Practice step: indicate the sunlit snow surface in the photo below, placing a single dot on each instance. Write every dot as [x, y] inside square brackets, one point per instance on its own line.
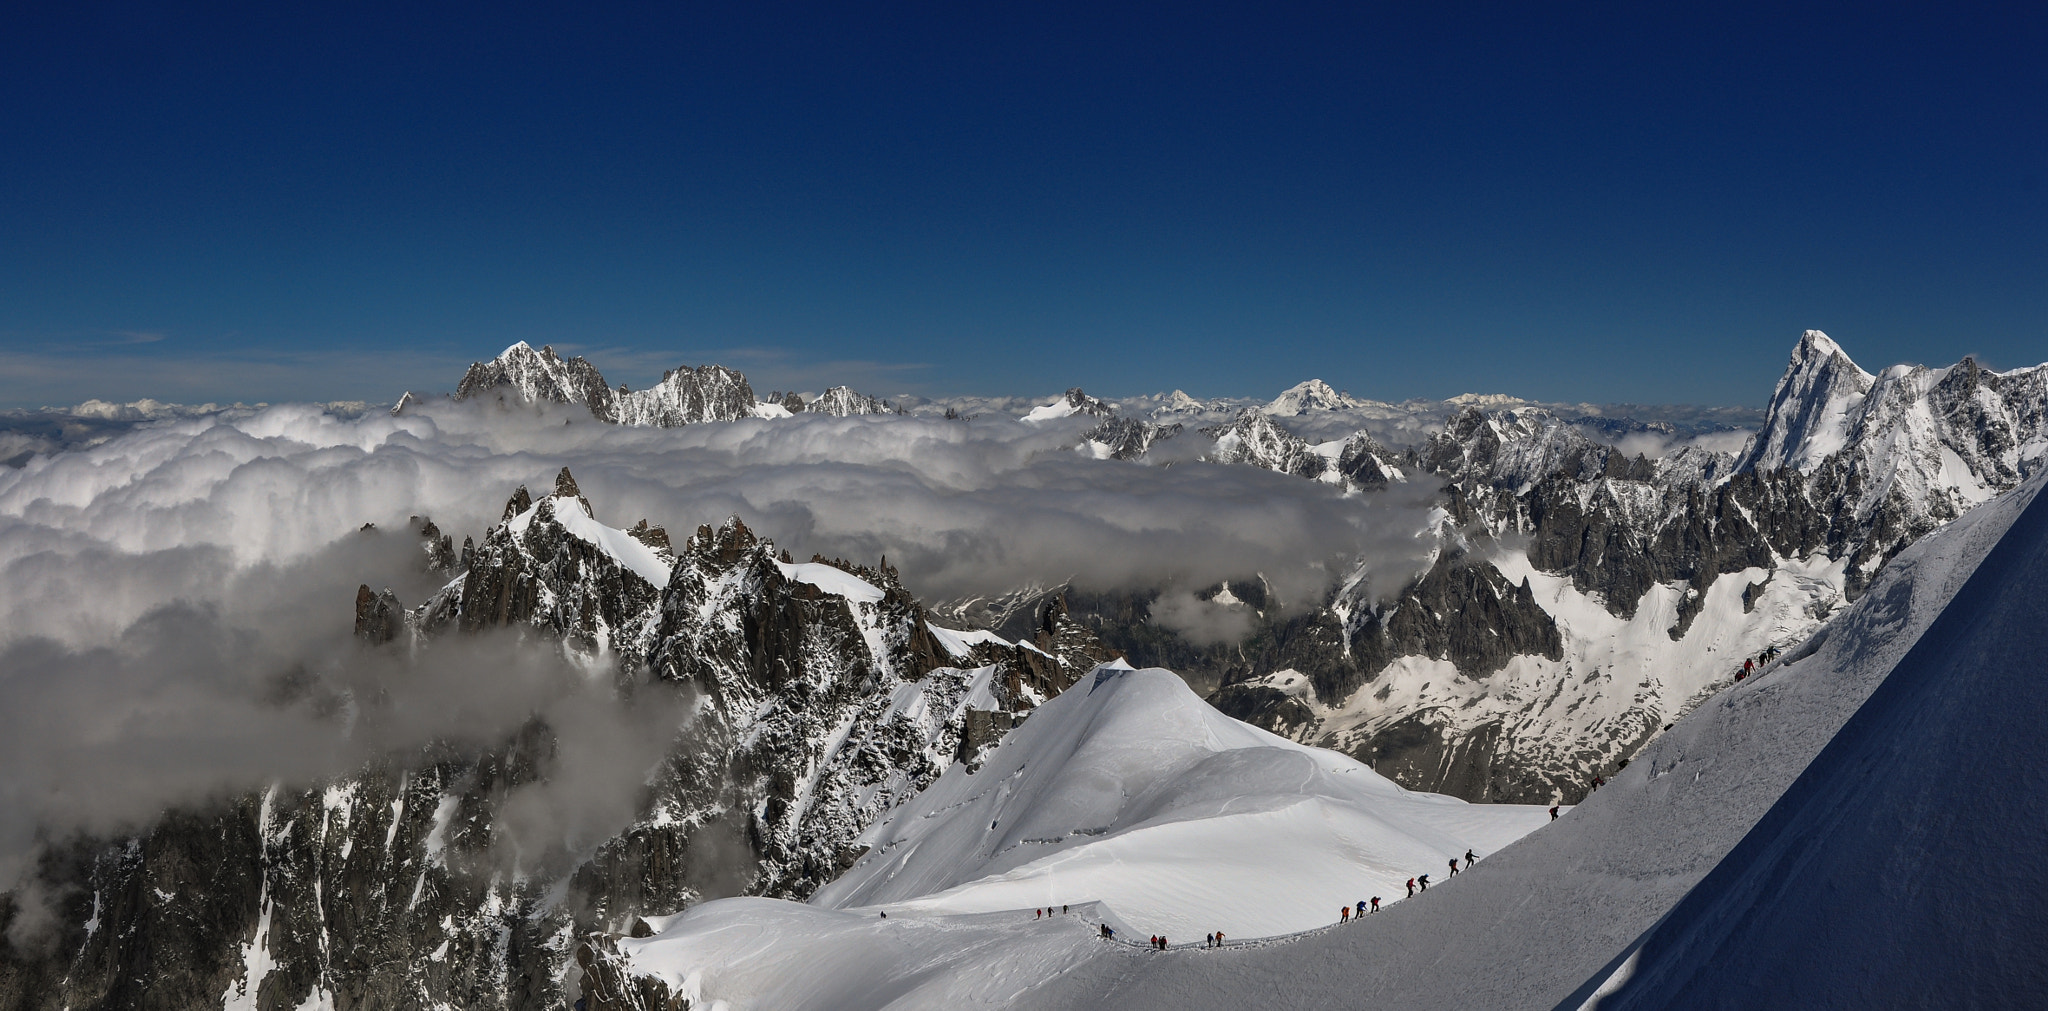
[1128, 791]
[574, 516]
[1521, 929]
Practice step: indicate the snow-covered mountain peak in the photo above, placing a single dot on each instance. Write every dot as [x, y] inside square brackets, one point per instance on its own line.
[686, 396]
[843, 401]
[1113, 788]
[638, 551]
[1810, 413]
[537, 377]
[1311, 397]
[1072, 403]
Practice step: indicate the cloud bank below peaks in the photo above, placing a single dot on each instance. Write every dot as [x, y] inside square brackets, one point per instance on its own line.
[158, 589]
[962, 508]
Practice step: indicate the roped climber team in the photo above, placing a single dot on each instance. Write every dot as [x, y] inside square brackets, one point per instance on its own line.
[1345, 914]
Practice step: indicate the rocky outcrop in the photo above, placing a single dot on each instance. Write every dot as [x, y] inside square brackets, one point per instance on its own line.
[684, 396]
[520, 373]
[818, 694]
[1122, 438]
[687, 396]
[1252, 437]
[843, 402]
[1464, 679]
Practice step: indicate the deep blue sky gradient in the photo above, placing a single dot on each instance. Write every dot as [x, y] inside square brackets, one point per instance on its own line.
[1573, 202]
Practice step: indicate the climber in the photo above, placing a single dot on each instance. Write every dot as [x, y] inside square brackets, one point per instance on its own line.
[1454, 867]
[1424, 878]
[1553, 812]
[1411, 888]
[1375, 903]
[1361, 907]
[1343, 914]
[1468, 859]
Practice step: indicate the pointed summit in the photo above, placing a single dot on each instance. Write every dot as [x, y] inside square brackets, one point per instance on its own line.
[1813, 408]
[1310, 397]
[534, 376]
[1074, 402]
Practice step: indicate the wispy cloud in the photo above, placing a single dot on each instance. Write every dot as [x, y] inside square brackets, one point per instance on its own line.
[153, 586]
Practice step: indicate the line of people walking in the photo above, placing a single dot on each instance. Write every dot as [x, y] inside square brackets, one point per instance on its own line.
[1751, 666]
[1345, 914]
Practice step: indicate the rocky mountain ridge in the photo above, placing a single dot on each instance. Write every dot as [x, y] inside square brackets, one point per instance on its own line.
[1550, 530]
[1576, 603]
[813, 695]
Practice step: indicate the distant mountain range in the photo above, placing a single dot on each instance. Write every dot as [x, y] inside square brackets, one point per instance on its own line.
[1580, 595]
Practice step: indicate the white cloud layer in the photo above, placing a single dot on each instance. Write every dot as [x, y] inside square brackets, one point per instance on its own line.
[154, 589]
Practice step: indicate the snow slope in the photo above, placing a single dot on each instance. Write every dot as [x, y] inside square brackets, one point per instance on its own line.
[1127, 797]
[573, 513]
[1136, 793]
[1525, 927]
[1884, 876]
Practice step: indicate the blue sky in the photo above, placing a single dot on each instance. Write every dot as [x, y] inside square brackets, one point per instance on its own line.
[319, 201]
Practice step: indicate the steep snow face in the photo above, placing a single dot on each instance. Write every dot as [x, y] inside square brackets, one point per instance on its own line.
[832, 579]
[1526, 926]
[1811, 412]
[573, 513]
[537, 377]
[1868, 884]
[1934, 441]
[1129, 790]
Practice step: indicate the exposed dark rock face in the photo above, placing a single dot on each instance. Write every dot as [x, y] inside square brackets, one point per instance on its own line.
[1253, 437]
[684, 396]
[1082, 403]
[1129, 438]
[1850, 468]
[407, 885]
[539, 377]
[378, 616]
[1466, 613]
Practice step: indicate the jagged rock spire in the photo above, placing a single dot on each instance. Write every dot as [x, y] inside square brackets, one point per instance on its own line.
[521, 501]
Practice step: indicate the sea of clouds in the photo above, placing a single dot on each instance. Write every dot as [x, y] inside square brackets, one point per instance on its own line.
[167, 595]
